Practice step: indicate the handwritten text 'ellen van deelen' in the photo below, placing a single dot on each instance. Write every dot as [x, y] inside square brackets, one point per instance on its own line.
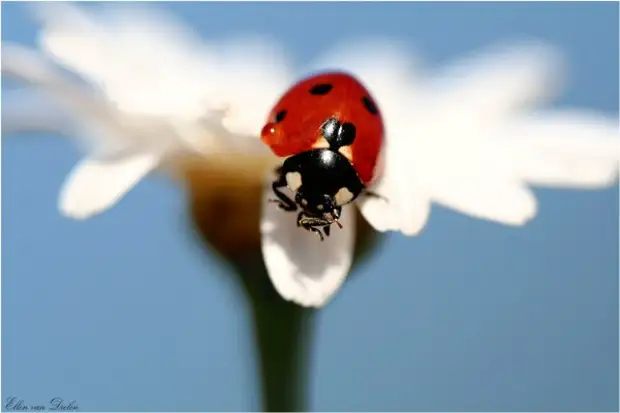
[15, 404]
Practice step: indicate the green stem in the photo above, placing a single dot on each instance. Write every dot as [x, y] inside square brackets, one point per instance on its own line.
[283, 331]
[283, 334]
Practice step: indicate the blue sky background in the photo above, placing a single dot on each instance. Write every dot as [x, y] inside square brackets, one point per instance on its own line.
[125, 312]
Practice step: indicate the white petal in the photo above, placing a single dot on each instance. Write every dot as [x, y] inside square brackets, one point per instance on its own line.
[30, 111]
[476, 151]
[75, 110]
[485, 174]
[107, 51]
[498, 200]
[28, 66]
[408, 216]
[379, 212]
[402, 204]
[99, 126]
[150, 64]
[570, 149]
[384, 65]
[302, 268]
[492, 85]
[95, 185]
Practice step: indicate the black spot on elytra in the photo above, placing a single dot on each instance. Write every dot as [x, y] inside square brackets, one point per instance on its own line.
[321, 89]
[370, 105]
[280, 116]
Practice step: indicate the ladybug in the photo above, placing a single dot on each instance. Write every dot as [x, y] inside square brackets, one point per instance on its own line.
[330, 130]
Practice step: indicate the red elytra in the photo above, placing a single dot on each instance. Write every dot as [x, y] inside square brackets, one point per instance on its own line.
[295, 123]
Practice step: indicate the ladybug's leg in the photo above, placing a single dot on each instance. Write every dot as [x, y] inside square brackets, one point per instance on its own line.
[283, 201]
[300, 218]
[327, 230]
[316, 231]
[337, 214]
[313, 224]
[305, 220]
[309, 224]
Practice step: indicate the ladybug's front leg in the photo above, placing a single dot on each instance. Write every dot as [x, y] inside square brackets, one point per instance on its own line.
[284, 202]
[327, 230]
[309, 224]
[318, 232]
[310, 228]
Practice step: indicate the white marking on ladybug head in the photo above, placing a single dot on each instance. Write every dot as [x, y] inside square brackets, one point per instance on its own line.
[293, 180]
[304, 202]
[343, 196]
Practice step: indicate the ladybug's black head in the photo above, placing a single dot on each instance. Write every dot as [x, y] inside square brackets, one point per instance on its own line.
[322, 180]
[317, 204]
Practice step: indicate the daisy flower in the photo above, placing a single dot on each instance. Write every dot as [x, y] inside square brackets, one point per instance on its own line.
[472, 137]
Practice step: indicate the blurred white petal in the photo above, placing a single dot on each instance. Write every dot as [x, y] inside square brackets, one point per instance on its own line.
[394, 209]
[573, 149]
[150, 64]
[493, 198]
[28, 66]
[116, 52]
[26, 110]
[379, 213]
[490, 86]
[108, 172]
[302, 268]
[382, 64]
[96, 184]
[157, 89]
[83, 114]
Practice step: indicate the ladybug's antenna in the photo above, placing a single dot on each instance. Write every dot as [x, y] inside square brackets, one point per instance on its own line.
[336, 220]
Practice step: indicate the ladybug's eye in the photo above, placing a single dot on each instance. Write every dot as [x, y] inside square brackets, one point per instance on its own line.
[321, 89]
[280, 116]
[370, 105]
